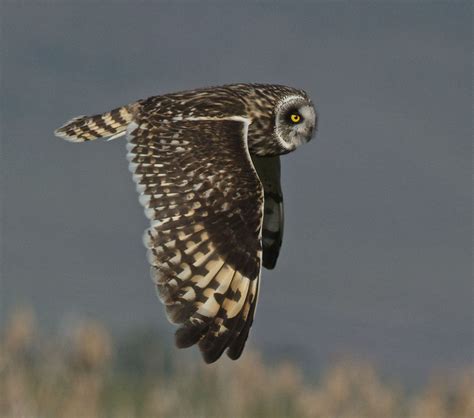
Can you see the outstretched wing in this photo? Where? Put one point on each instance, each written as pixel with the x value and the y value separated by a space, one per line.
pixel 268 169
pixel 205 202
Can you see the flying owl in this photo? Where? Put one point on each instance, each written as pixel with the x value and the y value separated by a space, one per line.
pixel 207 169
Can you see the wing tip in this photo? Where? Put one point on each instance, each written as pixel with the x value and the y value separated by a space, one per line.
pixel 188 335
pixel 269 260
pixel 61 132
pixel 211 345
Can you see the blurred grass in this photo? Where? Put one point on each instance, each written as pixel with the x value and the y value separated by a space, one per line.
pixel 86 375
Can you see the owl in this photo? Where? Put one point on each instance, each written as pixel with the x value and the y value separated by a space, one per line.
pixel 207 169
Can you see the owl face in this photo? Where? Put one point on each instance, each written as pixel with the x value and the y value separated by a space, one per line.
pixel 295 121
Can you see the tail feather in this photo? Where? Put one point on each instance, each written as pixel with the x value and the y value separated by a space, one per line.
pixel 106 125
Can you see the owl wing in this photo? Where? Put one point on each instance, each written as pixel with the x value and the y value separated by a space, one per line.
pixel 268 169
pixel 205 202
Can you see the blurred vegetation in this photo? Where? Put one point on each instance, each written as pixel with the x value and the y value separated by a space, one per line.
pixel 85 375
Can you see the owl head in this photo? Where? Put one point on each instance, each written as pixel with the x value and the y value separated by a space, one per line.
pixel 283 118
pixel 295 121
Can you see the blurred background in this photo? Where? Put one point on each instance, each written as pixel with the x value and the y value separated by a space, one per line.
pixel 374 278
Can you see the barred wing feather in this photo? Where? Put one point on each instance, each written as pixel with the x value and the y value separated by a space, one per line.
pixel 205 203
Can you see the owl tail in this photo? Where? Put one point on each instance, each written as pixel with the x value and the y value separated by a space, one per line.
pixel 108 125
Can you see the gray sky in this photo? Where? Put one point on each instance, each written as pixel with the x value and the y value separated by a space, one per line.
pixel 376 258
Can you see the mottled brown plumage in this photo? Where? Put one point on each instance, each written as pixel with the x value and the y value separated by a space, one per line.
pixel 206 166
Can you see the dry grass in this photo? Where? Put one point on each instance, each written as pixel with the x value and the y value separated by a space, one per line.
pixel 79 378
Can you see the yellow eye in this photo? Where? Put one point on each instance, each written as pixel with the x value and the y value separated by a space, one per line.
pixel 295 118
